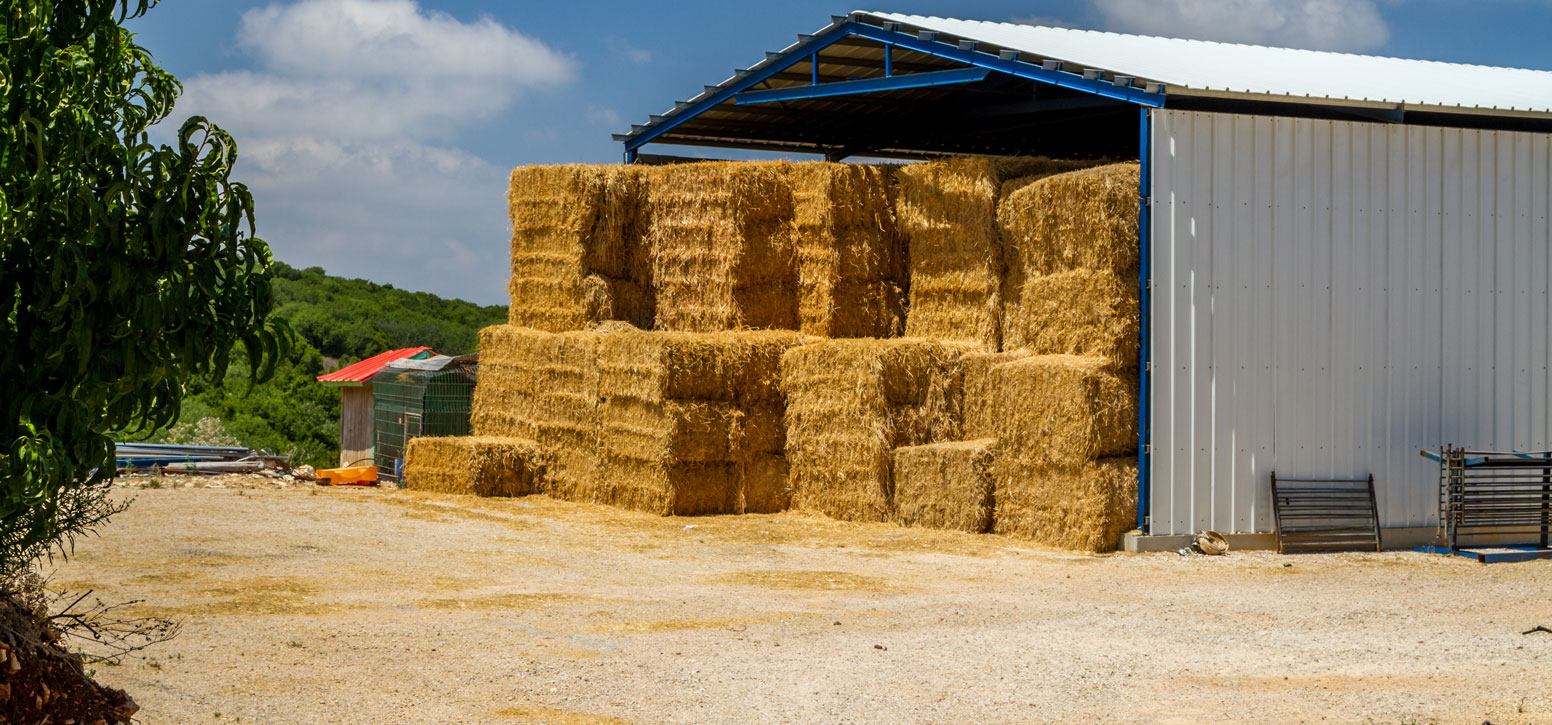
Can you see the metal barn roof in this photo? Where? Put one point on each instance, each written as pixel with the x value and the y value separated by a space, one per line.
pixel 1196 67
pixel 911 86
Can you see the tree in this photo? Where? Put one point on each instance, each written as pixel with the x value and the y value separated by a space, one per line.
pixel 126 268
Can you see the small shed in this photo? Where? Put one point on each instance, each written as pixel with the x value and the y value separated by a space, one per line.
pixel 354 382
pixel 429 396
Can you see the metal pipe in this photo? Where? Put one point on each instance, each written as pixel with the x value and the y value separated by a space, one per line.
pixel 1145 284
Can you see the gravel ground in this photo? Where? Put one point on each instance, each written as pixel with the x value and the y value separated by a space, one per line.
pixel 304 605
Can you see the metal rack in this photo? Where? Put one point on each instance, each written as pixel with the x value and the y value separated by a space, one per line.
pixel 1325 514
pixel 1494 492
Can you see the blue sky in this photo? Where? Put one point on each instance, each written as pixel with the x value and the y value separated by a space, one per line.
pixel 377 134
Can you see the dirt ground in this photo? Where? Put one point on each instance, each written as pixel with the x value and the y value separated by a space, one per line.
pixel 304 605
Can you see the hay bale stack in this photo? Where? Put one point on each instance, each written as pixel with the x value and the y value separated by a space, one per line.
pixel 849 255
pixel 577 251
pixel 1067 428
pixel 947 211
pixel 1072 251
pixel 689 422
pixel 945 485
pixel 543 387
pixel 482 466
pixel 850 403
pixel 721 251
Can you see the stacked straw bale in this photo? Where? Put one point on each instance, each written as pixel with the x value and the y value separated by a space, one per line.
pixel 482 466
pixel 849 254
pixel 720 243
pixel 577 251
pixel 850 403
pixel 542 387
pixel 945 485
pixel 1066 434
pixel 690 423
pixel 948 213
pixel 1072 251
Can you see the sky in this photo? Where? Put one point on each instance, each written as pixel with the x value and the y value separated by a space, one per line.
pixel 377 135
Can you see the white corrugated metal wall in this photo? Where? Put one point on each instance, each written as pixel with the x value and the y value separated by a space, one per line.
pixel 1330 297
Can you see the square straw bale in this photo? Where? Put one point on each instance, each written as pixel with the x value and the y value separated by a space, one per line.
pixel 850 403
pixel 686 418
pixel 1062 409
pixel 743 367
pixel 945 485
pixel 668 487
pixel 577 247
pixel 983 405
pixel 543 387
pixel 483 466
pixel 1085 312
pixel 947 211
pixel 763 485
pixel 1083 507
pixel 721 250
pixel 850 255
pixel 1078 220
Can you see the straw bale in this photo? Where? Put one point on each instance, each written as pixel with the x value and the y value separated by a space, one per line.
pixel 1079 220
pixel 945 485
pixel 543 387
pixel 849 253
pixel 763 485
pixel 849 404
pixel 983 405
pixel 1077 312
pixel 669 487
pixel 1081 507
pixel 719 235
pixel 482 466
pixel 1061 409
pixel 687 419
pixel 948 212
pixel 739 366
pixel 577 251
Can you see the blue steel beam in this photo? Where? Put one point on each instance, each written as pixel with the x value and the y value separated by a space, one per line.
pixel 809 45
pixel 865 85
pixel 1144 342
pixel 1011 67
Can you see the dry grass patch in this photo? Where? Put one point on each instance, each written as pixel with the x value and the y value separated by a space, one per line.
pixel 503 601
pixel 258 596
pixel 829 581
pixel 550 716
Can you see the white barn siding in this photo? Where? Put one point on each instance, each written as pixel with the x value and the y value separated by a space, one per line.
pixel 1331 297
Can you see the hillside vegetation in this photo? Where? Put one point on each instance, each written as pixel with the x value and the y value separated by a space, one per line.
pixel 343 319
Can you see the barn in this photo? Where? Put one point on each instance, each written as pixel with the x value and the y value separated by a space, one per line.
pixel 1344 259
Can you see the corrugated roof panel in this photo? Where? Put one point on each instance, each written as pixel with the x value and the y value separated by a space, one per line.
pixel 1196 65
pixel 364 370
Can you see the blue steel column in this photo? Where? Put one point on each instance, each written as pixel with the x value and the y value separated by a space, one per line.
pixel 1145 289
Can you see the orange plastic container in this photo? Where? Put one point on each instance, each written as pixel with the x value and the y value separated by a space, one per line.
pixel 358 476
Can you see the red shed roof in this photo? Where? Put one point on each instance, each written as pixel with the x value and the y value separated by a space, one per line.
pixel 363 371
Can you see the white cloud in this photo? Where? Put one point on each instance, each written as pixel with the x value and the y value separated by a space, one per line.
pixel 346 127
pixel 607 117
pixel 1342 25
pixel 623 49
